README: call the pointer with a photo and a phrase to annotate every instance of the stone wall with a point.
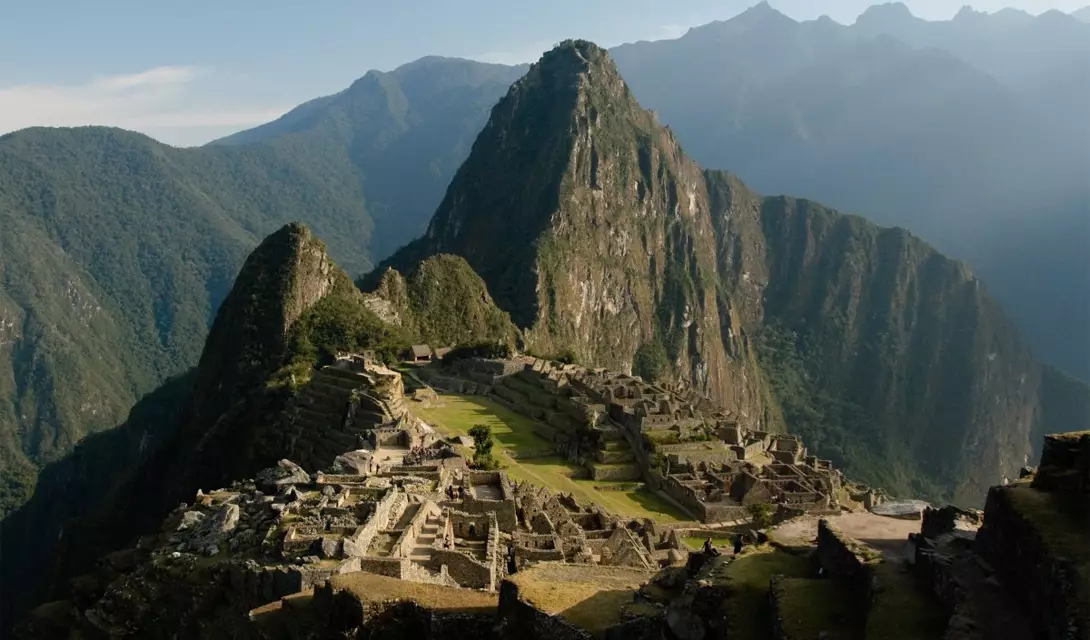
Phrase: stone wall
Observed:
(1017, 539)
(405, 543)
(848, 560)
(719, 511)
(466, 571)
(936, 522)
(504, 510)
(358, 543)
(460, 522)
(392, 567)
(1065, 464)
(342, 614)
(519, 620)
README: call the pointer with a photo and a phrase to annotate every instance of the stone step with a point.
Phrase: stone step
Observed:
(313, 414)
(616, 445)
(314, 393)
(311, 426)
(614, 457)
(614, 472)
(324, 453)
(334, 391)
(344, 439)
(610, 435)
(345, 374)
(344, 384)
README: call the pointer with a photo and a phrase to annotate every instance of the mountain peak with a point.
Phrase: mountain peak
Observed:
(760, 13)
(968, 13)
(574, 56)
(892, 12)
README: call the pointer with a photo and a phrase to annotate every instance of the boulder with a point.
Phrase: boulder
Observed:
(190, 519)
(225, 520)
(285, 473)
(326, 548)
(353, 463)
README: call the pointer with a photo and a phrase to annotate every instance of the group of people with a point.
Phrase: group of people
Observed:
(419, 454)
(455, 492)
(709, 547)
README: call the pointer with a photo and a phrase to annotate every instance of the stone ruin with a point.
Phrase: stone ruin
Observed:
(1020, 569)
(624, 429)
(396, 502)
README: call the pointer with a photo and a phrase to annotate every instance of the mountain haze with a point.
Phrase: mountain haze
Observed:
(592, 227)
(971, 133)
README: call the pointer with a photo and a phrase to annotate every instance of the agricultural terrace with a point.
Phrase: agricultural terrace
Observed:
(527, 457)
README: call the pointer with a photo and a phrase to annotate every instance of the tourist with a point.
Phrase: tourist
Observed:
(709, 548)
(737, 543)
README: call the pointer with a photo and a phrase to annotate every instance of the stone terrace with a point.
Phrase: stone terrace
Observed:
(625, 429)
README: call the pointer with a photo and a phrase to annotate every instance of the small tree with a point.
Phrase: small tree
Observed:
(761, 514)
(482, 447)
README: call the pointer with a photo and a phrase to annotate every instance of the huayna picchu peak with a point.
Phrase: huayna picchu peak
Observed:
(608, 393)
(604, 241)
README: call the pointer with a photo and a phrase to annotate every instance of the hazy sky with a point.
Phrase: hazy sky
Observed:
(186, 72)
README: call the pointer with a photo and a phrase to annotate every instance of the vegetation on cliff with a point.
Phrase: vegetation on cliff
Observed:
(444, 303)
(876, 116)
(291, 311)
(117, 251)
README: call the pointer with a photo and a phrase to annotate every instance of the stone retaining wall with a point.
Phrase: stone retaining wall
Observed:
(407, 541)
(466, 571)
(1065, 464)
(846, 559)
(392, 567)
(520, 620)
(342, 614)
(1017, 547)
(358, 543)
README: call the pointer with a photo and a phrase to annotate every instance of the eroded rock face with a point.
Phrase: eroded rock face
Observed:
(627, 255)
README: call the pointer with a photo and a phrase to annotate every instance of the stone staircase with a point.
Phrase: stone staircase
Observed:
(614, 459)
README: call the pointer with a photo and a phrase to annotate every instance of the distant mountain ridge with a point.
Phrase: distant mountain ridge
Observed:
(118, 250)
(969, 132)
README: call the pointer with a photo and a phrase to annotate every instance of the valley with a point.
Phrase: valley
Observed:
(485, 350)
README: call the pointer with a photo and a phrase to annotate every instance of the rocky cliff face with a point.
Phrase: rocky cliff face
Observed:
(591, 227)
(597, 233)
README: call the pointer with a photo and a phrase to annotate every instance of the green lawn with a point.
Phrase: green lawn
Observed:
(748, 578)
(696, 543)
(456, 414)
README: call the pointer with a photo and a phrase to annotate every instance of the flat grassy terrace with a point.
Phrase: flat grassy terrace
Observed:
(456, 414)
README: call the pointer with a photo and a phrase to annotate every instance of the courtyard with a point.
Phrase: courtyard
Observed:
(527, 457)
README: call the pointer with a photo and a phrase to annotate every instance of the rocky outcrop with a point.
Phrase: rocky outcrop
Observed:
(1065, 465)
(442, 301)
(1035, 536)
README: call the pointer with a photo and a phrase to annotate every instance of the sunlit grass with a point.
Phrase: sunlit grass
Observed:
(513, 433)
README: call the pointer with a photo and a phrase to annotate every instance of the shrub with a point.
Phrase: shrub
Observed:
(761, 514)
(482, 448)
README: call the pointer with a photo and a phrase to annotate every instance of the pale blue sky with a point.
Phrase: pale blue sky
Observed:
(187, 72)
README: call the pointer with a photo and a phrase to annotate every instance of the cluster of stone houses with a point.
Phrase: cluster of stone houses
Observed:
(624, 428)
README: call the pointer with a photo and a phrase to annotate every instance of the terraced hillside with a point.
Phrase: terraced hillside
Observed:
(527, 456)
